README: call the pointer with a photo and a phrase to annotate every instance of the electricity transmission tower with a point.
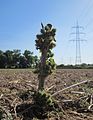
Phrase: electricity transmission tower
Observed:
(78, 40)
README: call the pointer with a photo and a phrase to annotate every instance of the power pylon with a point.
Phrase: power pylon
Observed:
(78, 42)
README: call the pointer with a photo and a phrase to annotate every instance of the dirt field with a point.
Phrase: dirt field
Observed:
(13, 82)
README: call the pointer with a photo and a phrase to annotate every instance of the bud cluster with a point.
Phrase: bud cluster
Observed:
(45, 42)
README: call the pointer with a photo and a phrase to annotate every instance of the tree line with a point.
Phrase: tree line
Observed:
(16, 59)
(80, 66)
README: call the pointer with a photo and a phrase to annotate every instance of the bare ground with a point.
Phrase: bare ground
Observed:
(13, 82)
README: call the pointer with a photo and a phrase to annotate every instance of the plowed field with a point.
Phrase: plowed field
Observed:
(15, 81)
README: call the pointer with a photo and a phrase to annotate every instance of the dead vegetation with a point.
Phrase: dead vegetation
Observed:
(72, 90)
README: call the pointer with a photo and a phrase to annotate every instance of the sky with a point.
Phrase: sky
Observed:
(20, 22)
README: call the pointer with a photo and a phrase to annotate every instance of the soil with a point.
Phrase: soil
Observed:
(14, 82)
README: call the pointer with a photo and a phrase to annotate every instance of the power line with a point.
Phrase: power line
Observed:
(85, 10)
(85, 13)
(91, 21)
(78, 41)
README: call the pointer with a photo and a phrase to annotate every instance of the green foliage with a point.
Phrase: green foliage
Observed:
(45, 42)
(29, 56)
(3, 59)
(46, 39)
(43, 100)
(14, 59)
(43, 103)
(50, 65)
(81, 66)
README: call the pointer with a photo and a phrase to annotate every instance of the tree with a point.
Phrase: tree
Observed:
(22, 62)
(3, 59)
(36, 61)
(9, 55)
(45, 42)
(16, 57)
(30, 58)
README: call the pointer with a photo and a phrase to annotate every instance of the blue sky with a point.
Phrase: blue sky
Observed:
(20, 22)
